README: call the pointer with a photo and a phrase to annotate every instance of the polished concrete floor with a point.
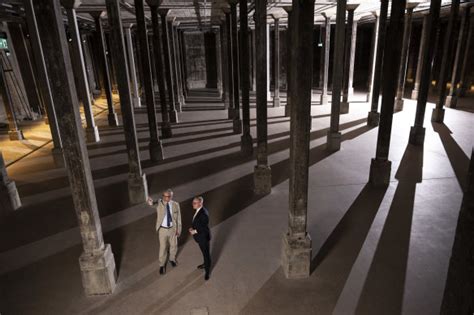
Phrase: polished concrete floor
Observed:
(375, 251)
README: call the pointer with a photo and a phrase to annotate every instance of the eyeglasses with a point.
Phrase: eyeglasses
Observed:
(166, 196)
(195, 202)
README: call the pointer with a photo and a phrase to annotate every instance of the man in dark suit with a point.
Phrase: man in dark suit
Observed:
(201, 233)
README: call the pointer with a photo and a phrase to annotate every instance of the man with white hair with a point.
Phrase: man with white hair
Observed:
(168, 226)
(201, 233)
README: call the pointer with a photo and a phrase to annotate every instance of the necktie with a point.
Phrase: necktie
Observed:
(168, 214)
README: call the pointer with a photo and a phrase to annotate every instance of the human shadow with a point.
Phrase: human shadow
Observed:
(384, 286)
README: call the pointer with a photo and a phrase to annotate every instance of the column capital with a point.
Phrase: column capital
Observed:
(412, 5)
(163, 12)
(226, 10)
(170, 19)
(352, 6)
(326, 16)
(276, 16)
(127, 25)
(375, 13)
(153, 3)
(233, 2)
(71, 4)
(287, 8)
(97, 14)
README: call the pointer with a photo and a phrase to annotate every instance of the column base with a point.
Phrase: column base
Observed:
(92, 134)
(137, 188)
(179, 106)
(58, 157)
(333, 141)
(398, 105)
(237, 125)
(344, 107)
(287, 110)
(262, 180)
(246, 144)
(113, 119)
(9, 198)
(173, 116)
(380, 172)
(373, 119)
(137, 102)
(16, 135)
(98, 272)
(156, 151)
(276, 101)
(451, 101)
(417, 135)
(414, 95)
(437, 115)
(166, 131)
(296, 256)
(324, 99)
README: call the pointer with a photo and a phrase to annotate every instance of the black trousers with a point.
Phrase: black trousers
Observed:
(204, 246)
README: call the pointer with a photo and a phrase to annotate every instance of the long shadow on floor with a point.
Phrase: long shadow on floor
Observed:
(384, 287)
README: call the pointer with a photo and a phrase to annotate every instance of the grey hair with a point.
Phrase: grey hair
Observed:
(200, 198)
(168, 191)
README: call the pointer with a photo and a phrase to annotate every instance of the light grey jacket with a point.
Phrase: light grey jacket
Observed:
(175, 213)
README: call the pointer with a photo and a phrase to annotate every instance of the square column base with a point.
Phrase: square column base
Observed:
(373, 119)
(16, 135)
(333, 141)
(237, 125)
(113, 119)
(173, 116)
(414, 94)
(262, 179)
(137, 188)
(246, 144)
(276, 101)
(98, 272)
(437, 115)
(451, 101)
(417, 135)
(92, 134)
(296, 256)
(324, 99)
(344, 107)
(166, 131)
(9, 198)
(380, 172)
(156, 151)
(137, 102)
(398, 105)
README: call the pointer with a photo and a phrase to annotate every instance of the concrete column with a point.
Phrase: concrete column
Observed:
(9, 198)
(349, 53)
(155, 147)
(276, 62)
(237, 123)
(13, 131)
(107, 83)
(421, 53)
(380, 166)
(404, 58)
(451, 99)
(225, 66)
(462, 86)
(131, 63)
(182, 50)
(220, 88)
(288, 10)
(167, 60)
(228, 33)
(373, 53)
(334, 136)
(430, 25)
(325, 69)
(373, 117)
(246, 144)
(438, 112)
(296, 245)
(91, 79)
(43, 81)
(262, 173)
(92, 132)
(254, 62)
(97, 263)
(166, 131)
(176, 84)
(177, 56)
(352, 58)
(269, 95)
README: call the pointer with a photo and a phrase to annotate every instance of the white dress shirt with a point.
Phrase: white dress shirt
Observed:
(165, 218)
(195, 213)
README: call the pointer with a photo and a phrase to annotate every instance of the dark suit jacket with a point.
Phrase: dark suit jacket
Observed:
(201, 225)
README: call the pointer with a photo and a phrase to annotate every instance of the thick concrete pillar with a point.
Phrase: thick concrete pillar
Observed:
(131, 63)
(97, 263)
(254, 62)
(380, 166)
(137, 186)
(176, 82)
(169, 72)
(14, 132)
(350, 84)
(182, 50)
(404, 57)
(228, 33)
(430, 25)
(325, 70)
(237, 123)
(334, 136)
(269, 95)
(91, 80)
(462, 86)
(104, 64)
(92, 132)
(349, 55)
(43, 81)
(421, 54)
(9, 198)
(373, 117)
(373, 54)
(296, 245)
(225, 66)
(246, 144)
(155, 147)
(276, 62)
(262, 173)
(288, 10)
(220, 85)
(177, 56)
(451, 99)
(438, 112)
(166, 131)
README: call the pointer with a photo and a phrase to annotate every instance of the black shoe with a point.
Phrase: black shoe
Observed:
(173, 263)
(162, 270)
(206, 277)
(201, 266)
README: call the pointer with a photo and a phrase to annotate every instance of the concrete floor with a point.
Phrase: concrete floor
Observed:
(375, 251)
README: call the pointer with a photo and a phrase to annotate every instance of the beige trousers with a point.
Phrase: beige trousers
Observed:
(168, 240)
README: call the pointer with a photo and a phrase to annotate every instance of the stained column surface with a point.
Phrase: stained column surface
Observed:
(246, 145)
